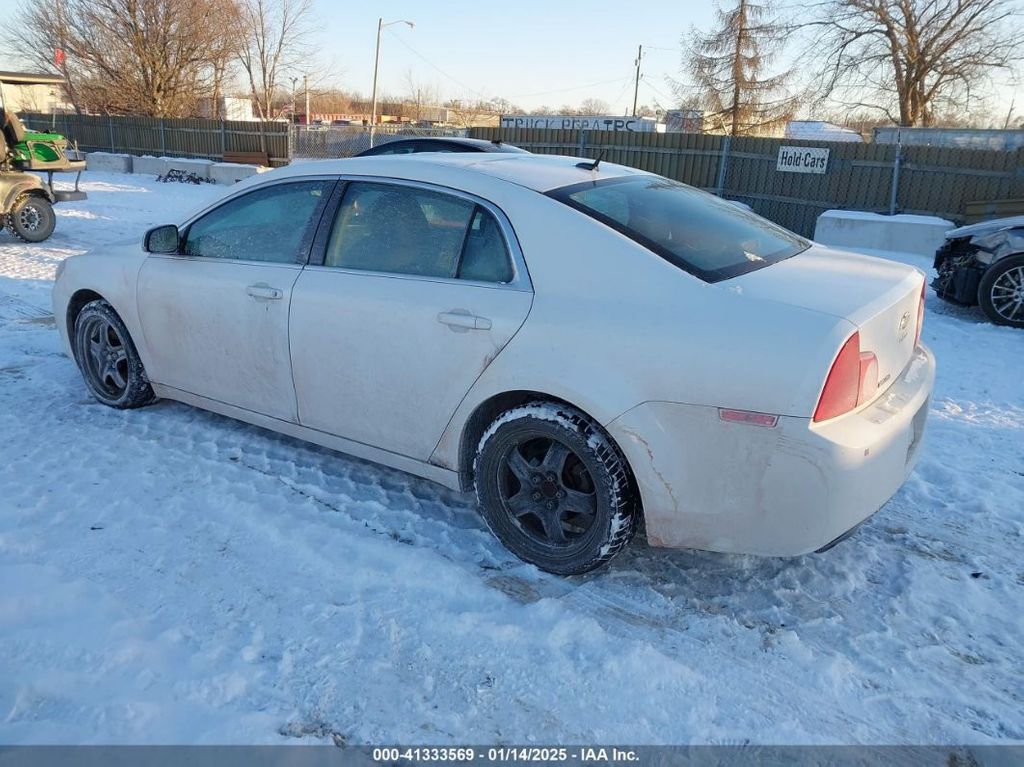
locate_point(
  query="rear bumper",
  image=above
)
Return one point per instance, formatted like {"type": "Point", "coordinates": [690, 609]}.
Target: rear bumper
{"type": "Point", "coordinates": [782, 491]}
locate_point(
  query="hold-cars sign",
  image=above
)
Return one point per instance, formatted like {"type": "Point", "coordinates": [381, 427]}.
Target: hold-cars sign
{"type": "Point", "coordinates": [802, 159]}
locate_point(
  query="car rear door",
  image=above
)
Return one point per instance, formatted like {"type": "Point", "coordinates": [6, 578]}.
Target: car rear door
{"type": "Point", "coordinates": [418, 289]}
{"type": "Point", "coordinates": [215, 316]}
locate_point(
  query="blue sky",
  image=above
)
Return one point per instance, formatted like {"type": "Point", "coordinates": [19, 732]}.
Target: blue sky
{"type": "Point", "coordinates": [531, 52]}
{"type": "Point", "coordinates": [521, 51]}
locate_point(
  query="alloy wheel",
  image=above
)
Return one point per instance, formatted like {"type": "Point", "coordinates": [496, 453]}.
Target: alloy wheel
{"type": "Point", "coordinates": [1007, 294]}
{"type": "Point", "coordinates": [106, 357]}
{"type": "Point", "coordinates": [548, 492]}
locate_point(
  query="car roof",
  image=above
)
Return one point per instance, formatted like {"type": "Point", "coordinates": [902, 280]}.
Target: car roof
{"type": "Point", "coordinates": [541, 173]}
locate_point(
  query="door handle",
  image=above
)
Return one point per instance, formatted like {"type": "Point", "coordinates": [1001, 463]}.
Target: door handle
{"type": "Point", "coordinates": [460, 319]}
{"type": "Point", "coordinates": [263, 292]}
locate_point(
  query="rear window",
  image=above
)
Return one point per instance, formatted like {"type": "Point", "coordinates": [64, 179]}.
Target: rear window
{"type": "Point", "coordinates": [698, 232]}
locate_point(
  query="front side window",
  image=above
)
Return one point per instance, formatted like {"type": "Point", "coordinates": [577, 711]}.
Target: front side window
{"type": "Point", "coordinates": [271, 224]}
{"type": "Point", "coordinates": [702, 234]}
{"type": "Point", "coordinates": [409, 230]}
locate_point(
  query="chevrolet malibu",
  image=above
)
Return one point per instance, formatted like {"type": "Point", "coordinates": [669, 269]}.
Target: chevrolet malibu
{"type": "Point", "coordinates": [584, 344]}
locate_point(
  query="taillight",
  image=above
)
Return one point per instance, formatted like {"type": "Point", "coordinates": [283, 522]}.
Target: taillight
{"type": "Point", "coordinates": [852, 381]}
{"type": "Point", "coordinates": [920, 314]}
{"type": "Point", "coordinates": [842, 386]}
{"type": "Point", "coordinates": [868, 377]}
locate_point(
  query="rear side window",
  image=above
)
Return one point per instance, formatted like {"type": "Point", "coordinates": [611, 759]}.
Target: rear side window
{"type": "Point", "coordinates": [702, 234]}
{"type": "Point", "coordinates": [408, 230]}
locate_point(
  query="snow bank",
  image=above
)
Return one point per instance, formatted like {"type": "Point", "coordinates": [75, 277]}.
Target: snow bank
{"type": "Point", "coordinates": [858, 230]}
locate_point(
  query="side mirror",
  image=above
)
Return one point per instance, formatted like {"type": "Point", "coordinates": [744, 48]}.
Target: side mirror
{"type": "Point", "coordinates": [162, 239]}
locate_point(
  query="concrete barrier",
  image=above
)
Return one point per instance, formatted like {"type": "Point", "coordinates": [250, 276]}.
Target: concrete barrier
{"type": "Point", "coordinates": [231, 172]}
{"type": "Point", "coordinates": [154, 166]}
{"type": "Point", "coordinates": [105, 162]}
{"type": "Point", "coordinates": [200, 168]}
{"type": "Point", "coordinates": [857, 230]}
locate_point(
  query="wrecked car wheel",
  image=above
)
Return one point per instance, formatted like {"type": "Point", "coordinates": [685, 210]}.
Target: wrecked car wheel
{"type": "Point", "coordinates": [1001, 292]}
{"type": "Point", "coordinates": [554, 488]}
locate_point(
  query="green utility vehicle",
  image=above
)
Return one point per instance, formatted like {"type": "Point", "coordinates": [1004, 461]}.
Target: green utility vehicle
{"type": "Point", "coordinates": [26, 200]}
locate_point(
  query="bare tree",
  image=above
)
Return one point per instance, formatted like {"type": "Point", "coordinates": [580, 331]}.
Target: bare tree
{"type": "Point", "coordinates": [420, 96]}
{"type": "Point", "coordinates": [728, 66]}
{"type": "Point", "coordinates": [912, 60]}
{"type": "Point", "coordinates": [271, 38]}
{"type": "Point", "coordinates": [593, 107]}
{"type": "Point", "coordinates": [465, 113]}
{"type": "Point", "coordinates": [147, 57]}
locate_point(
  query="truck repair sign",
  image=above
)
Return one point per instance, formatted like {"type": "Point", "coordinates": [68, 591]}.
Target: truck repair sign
{"type": "Point", "coordinates": [802, 159]}
{"type": "Point", "coordinates": [575, 122]}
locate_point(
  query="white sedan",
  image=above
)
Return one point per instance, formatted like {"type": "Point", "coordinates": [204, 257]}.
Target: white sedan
{"type": "Point", "coordinates": [586, 346]}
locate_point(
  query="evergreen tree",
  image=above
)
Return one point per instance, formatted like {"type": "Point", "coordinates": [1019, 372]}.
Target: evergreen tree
{"type": "Point", "coordinates": [728, 67]}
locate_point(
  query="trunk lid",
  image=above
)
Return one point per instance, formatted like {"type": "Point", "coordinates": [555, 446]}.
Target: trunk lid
{"type": "Point", "coordinates": [878, 296]}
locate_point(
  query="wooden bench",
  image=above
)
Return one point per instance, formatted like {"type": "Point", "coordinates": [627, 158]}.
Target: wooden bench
{"type": "Point", "coordinates": [248, 158]}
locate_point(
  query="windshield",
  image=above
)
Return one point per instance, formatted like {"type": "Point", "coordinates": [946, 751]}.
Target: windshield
{"type": "Point", "coordinates": [705, 235]}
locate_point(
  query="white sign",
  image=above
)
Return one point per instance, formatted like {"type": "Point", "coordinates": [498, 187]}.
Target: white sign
{"type": "Point", "coordinates": [802, 159]}
{"type": "Point", "coordinates": [574, 122]}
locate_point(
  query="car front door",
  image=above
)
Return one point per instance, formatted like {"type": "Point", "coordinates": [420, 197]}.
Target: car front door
{"type": "Point", "coordinates": [418, 290]}
{"type": "Point", "coordinates": [215, 315]}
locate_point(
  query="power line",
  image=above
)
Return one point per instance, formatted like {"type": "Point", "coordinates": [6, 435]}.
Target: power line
{"type": "Point", "coordinates": [433, 66]}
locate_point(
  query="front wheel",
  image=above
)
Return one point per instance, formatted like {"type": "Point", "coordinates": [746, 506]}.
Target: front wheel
{"type": "Point", "coordinates": [109, 362]}
{"type": "Point", "coordinates": [554, 488]}
{"type": "Point", "coordinates": [31, 218]}
{"type": "Point", "coordinates": [1001, 292]}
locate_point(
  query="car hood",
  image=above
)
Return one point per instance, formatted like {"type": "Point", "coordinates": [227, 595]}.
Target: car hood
{"type": "Point", "coordinates": [985, 227]}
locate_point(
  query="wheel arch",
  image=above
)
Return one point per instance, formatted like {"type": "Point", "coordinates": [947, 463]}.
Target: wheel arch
{"type": "Point", "coordinates": [11, 190]}
{"type": "Point", "coordinates": [483, 415]}
{"type": "Point", "coordinates": [78, 301]}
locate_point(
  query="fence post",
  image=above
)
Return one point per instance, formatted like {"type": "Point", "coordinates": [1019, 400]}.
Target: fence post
{"type": "Point", "coordinates": [110, 125]}
{"type": "Point", "coordinates": [163, 139]}
{"type": "Point", "coordinates": [582, 141]}
{"type": "Point", "coordinates": [723, 164]}
{"type": "Point", "coordinates": [894, 192]}
{"type": "Point", "coordinates": [223, 138]}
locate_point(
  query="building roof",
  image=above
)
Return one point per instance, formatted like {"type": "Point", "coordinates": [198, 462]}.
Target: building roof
{"type": "Point", "coordinates": [30, 78]}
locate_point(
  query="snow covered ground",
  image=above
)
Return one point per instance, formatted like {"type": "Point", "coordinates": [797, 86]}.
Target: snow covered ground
{"type": "Point", "coordinates": [171, 576]}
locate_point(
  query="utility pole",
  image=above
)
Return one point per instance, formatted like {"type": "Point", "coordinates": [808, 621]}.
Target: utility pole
{"type": "Point", "coordinates": [305, 85]}
{"type": "Point", "coordinates": [376, 66]}
{"type": "Point", "coordinates": [636, 87]}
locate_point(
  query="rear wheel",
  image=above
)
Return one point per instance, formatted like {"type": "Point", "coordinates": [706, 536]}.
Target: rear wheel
{"type": "Point", "coordinates": [108, 359]}
{"type": "Point", "coordinates": [554, 488]}
{"type": "Point", "coordinates": [31, 218]}
{"type": "Point", "coordinates": [1001, 292]}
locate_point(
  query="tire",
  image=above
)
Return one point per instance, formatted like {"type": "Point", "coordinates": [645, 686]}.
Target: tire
{"type": "Point", "coordinates": [554, 488]}
{"type": "Point", "coordinates": [1001, 292]}
{"type": "Point", "coordinates": [31, 218]}
{"type": "Point", "coordinates": [108, 358]}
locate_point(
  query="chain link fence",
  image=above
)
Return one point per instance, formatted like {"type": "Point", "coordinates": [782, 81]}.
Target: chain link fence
{"type": "Point", "coordinates": [324, 142]}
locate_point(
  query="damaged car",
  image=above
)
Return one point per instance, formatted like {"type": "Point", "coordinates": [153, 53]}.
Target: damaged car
{"type": "Point", "coordinates": [983, 265]}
